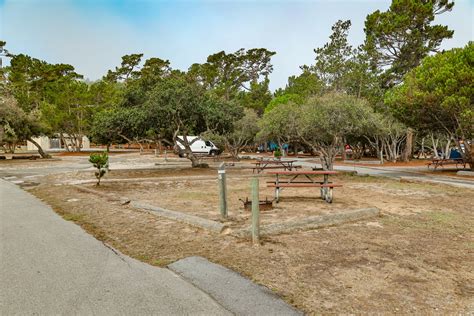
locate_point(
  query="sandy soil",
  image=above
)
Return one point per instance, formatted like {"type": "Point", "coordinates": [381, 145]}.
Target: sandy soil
{"type": "Point", "coordinates": [416, 258]}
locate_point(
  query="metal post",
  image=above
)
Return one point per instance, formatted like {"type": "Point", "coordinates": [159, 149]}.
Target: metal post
{"type": "Point", "coordinates": [222, 191]}
{"type": "Point", "coordinates": [255, 212]}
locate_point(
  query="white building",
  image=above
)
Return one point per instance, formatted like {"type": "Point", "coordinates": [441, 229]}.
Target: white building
{"type": "Point", "coordinates": [56, 143]}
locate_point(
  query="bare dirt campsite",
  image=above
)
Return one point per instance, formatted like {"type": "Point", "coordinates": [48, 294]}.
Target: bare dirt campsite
{"type": "Point", "coordinates": [415, 257]}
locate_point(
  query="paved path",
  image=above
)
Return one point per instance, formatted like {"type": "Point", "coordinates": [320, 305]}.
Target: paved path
{"type": "Point", "coordinates": [49, 266]}
{"type": "Point", "coordinates": [397, 173]}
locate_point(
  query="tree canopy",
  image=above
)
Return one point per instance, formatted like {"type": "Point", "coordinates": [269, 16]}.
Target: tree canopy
{"type": "Point", "coordinates": [372, 96]}
{"type": "Point", "coordinates": [438, 95]}
{"type": "Point", "coordinates": [228, 73]}
{"type": "Point", "coordinates": [399, 38]}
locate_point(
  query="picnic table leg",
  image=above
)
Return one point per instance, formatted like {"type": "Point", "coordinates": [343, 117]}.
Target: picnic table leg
{"type": "Point", "coordinates": [329, 195]}
{"type": "Point", "coordinates": [277, 189]}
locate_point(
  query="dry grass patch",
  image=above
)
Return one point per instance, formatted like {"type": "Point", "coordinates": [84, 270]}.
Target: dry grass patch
{"type": "Point", "coordinates": [417, 258]}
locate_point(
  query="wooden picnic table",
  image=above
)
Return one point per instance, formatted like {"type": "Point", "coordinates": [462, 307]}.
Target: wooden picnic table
{"type": "Point", "coordinates": [439, 162]}
{"type": "Point", "coordinates": [263, 164]}
{"type": "Point", "coordinates": [310, 180]}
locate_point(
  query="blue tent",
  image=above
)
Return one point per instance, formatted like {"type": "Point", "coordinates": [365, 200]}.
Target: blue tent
{"type": "Point", "coordinates": [455, 154]}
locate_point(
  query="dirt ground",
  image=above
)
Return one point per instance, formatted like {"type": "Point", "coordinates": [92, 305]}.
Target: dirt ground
{"type": "Point", "coordinates": [417, 258]}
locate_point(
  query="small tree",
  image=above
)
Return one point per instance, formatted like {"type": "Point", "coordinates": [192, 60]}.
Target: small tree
{"type": "Point", "coordinates": [277, 153]}
{"type": "Point", "coordinates": [326, 121]}
{"type": "Point", "coordinates": [280, 124]}
{"type": "Point", "coordinates": [17, 125]}
{"type": "Point", "coordinates": [242, 134]}
{"type": "Point", "coordinates": [101, 162]}
{"type": "Point", "coordinates": [188, 110]}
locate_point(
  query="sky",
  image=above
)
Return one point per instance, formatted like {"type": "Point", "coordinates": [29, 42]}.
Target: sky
{"type": "Point", "coordinates": [92, 35]}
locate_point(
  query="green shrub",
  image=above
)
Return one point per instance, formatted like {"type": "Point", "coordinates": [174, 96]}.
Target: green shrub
{"type": "Point", "coordinates": [277, 153]}
{"type": "Point", "coordinates": [101, 162]}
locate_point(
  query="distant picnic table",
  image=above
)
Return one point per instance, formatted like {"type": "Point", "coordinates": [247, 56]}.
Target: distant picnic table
{"type": "Point", "coordinates": [439, 162]}
{"type": "Point", "coordinates": [310, 180]}
{"type": "Point", "coordinates": [263, 164]}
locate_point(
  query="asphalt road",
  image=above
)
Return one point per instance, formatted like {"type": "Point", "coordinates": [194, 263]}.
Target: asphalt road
{"type": "Point", "coordinates": [397, 173]}
{"type": "Point", "coordinates": [49, 266]}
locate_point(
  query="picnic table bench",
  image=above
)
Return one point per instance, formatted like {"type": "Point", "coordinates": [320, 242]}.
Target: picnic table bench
{"type": "Point", "coordinates": [325, 185]}
{"type": "Point", "coordinates": [264, 164]}
{"type": "Point", "coordinates": [216, 158]}
{"type": "Point", "coordinates": [438, 162]}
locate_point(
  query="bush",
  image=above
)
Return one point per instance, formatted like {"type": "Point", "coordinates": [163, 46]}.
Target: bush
{"type": "Point", "coordinates": [101, 162]}
{"type": "Point", "coordinates": [277, 153]}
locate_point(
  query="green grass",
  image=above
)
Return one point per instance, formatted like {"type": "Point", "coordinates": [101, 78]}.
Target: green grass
{"type": "Point", "coordinates": [73, 217]}
{"type": "Point", "coordinates": [443, 218]}
{"type": "Point", "coordinates": [142, 257]}
{"type": "Point", "coordinates": [470, 245]}
{"type": "Point", "coordinates": [160, 262]}
{"type": "Point", "coordinates": [434, 188]}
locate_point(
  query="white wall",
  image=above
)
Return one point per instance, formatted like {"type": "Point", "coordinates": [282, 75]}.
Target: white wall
{"type": "Point", "coordinates": [43, 141]}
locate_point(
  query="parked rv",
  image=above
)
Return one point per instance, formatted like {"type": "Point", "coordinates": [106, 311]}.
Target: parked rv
{"type": "Point", "coordinates": [198, 146]}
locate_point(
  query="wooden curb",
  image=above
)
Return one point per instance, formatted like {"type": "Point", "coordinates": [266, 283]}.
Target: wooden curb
{"type": "Point", "coordinates": [181, 217]}
{"type": "Point", "coordinates": [109, 196]}
{"type": "Point", "coordinates": [313, 222]}
{"type": "Point", "coordinates": [155, 179]}
{"type": "Point", "coordinates": [465, 173]}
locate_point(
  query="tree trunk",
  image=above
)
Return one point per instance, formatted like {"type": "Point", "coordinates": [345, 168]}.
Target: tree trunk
{"type": "Point", "coordinates": [63, 142]}
{"type": "Point", "coordinates": [467, 154]}
{"type": "Point", "coordinates": [77, 143]}
{"type": "Point", "coordinates": [11, 147]}
{"type": "Point", "coordinates": [194, 160]}
{"type": "Point", "coordinates": [378, 149]}
{"type": "Point", "coordinates": [283, 152]}
{"type": "Point", "coordinates": [408, 151]}
{"type": "Point", "coordinates": [435, 146]}
{"type": "Point", "coordinates": [343, 153]}
{"type": "Point", "coordinates": [329, 163]}
{"type": "Point", "coordinates": [187, 150]}
{"type": "Point", "coordinates": [159, 146]}
{"type": "Point", "coordinates": [327, 156]}
{"type": "Point", "coordinates": [447, 148]}
{"type": "Point", "coordinates": [79, 147]}
{"type": "Point", "coordinates": [40, 150]}
{"type": "Point", "coordinates": [422, 151]}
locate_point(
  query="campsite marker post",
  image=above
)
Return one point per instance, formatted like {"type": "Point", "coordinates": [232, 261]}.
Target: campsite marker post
{"type": "Point", "coordinates": [255, 212]}
{"type": "Point", "coordinates": [222, 191]}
